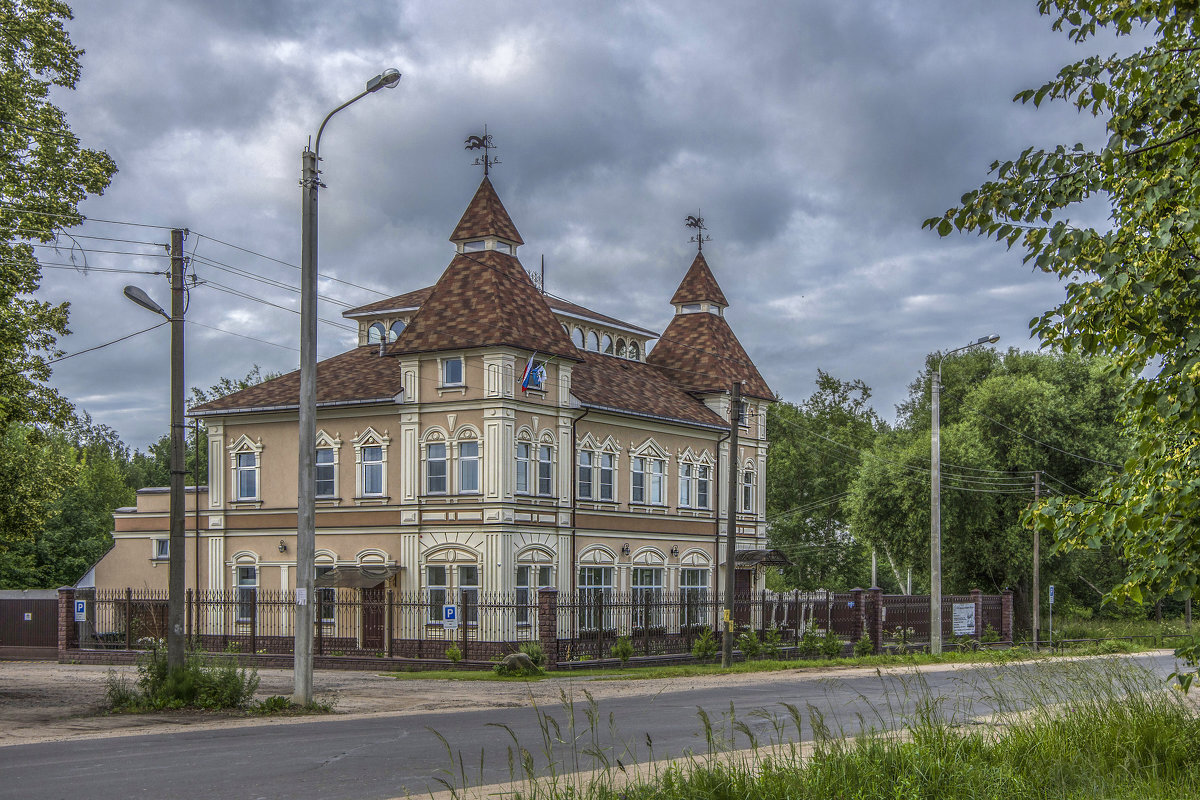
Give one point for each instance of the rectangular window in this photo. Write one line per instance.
(524, 455)
(606, 476)
(247, 476)
(743, 417)
(372, 471)
(748, 491)
(658, 482)
(327, 595)
(703, 486)
(468, 467)
(452, 372)
(595, 598)
(647, 596)
(435, 469)
(468, 592)
(637, 467)
(247, 583)
(545, 486)
(585, 475)
(685, 485)
(162, 549)
(326, 486)
(435, 581)
(693, 590)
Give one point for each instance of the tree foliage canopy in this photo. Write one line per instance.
(44, 174)
(1133, 284)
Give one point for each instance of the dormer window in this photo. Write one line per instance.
(504, 247)
(476, 246)
(691, 308)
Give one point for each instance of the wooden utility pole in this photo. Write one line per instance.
(1037, 567)
(735, 420)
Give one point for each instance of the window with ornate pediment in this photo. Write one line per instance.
(648, 475)
(746, 503)
(245, 458)
(326, 465)
(436, 463)
(370, 454)
(596, 469)
(695, 480)
(468, 458)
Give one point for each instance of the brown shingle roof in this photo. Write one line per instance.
(412, 299)
(700, 353)
(484, 299)
(485, 216)
(357, 375)
(633, 386)
(699, 284)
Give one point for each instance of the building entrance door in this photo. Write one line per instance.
(372, 618)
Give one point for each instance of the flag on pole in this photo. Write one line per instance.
(534, 374)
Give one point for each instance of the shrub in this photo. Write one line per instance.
(990, 635)
(199, 683)
(771, 643)
(453, 653)
(623, 649)
(810, 644)
(864, 647)
(705, 645)
(535, 652)
(831, 644)
(749, 644)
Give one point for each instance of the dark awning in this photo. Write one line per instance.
(361, 577)
(752, 558)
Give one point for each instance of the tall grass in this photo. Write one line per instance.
(1098, 729)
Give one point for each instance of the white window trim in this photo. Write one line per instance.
(435, 438)
(747, 468)
(442, 382)
(689, 459)
(370, 438)
(327, 442)
(467, 436)
(530, 466)
(154, 554)
(537, 488)
(244, 446)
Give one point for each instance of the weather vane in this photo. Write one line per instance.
(700, 238)
(485, 144)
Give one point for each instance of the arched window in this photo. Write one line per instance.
(606, 344)
(593, 342)
(621, 348)
(375, 333)
(577, 337)
(634, 352)
(397, 329)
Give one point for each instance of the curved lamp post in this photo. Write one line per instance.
(935, 501)
(306, 485)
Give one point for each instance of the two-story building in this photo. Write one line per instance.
(438, 471)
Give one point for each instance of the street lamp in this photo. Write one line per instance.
(306, 506)
(935, 501)
(175, 554)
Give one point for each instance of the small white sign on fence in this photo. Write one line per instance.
(964, 619)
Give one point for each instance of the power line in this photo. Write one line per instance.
(79, 218)
(243, 336)
(236, 293)
(269, 281)
(106, 344)
(1045, 444)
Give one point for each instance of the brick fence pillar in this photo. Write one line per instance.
(68, 632)
(1006, 616)
(874, 618)
(977, 599)
(858, 618)
(548, 625)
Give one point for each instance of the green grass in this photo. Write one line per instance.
(1079, 730)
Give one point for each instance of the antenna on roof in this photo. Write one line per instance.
(700, 238)
(485, 144)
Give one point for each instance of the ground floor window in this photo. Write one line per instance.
(327, 597)
(435, 581)
(441, 592)
(595, 593)
(247, 583)
(647, 596)
(693, 595)
(468, 592)
(530, 578)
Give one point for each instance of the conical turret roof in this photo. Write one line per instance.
(486, 216)
(699, 284)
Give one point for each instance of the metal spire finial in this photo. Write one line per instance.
(700, 238)
(485, 144)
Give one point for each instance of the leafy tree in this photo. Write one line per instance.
(1133, 284)
(1003, 418)
(44, 174)
(35, 468)
(810, 465)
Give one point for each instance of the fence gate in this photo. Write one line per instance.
(372, 618)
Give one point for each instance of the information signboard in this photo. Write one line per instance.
(964, 619)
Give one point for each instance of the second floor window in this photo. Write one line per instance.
(524, 460)
(326, 486)
(468, 467)
(247, 476)
(372, 470)
(435, 469)
(747, 491)
(585, 474)
(649, 480)
(545, 477)
(452, 372)
(606, 476)
(686, 473)
(703, 486)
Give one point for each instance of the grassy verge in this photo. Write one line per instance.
(1072, 730)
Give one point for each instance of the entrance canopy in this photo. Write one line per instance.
(359, 577)
(753, 558)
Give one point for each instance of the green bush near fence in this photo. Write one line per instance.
(199, 683)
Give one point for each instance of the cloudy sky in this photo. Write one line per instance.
(813, 137)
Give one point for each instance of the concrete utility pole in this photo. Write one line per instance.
(1037, 568)
(306, 503)
(175, 568)
(735, 421)
(935, 500)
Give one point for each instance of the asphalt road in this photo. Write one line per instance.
(390, 756)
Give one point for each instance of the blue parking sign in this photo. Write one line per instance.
(449, 617)
(1052, 594)
(81, 610)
